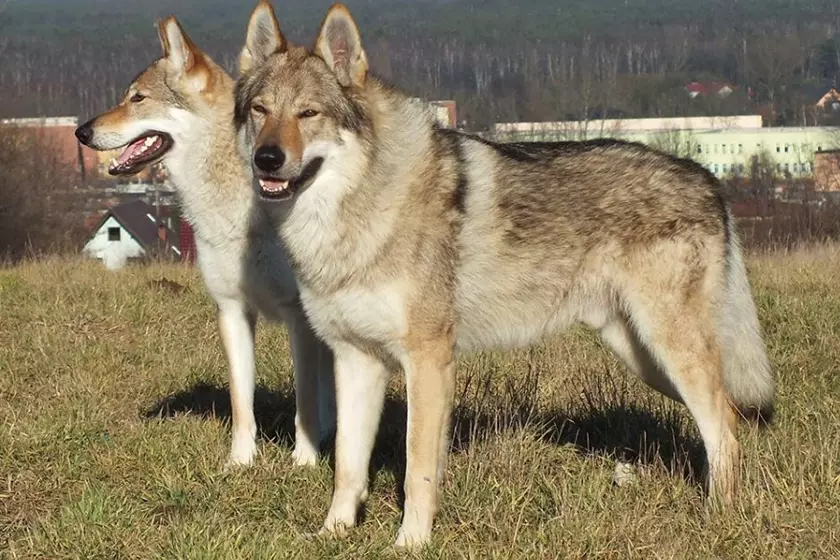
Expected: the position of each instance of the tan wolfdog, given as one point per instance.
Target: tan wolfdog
(411, 242)
(179, 111)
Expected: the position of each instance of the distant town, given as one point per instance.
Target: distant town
(132, 218)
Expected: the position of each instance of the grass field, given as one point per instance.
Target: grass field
(114, 425)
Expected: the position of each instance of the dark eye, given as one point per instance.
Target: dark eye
(307, 114)
(137, 98)
(257, 108)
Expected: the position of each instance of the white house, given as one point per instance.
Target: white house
(129, 231)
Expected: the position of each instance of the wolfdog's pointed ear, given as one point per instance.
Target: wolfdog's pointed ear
(340, 46)
(164, 42)
(178, 47)
(262, 39)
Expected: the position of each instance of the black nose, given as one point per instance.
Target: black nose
(84, 133)
(269, 158)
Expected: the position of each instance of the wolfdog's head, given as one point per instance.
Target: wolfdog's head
(298, 110)
(159, 105)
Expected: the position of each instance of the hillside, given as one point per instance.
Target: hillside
(114, 426)
(533, 59)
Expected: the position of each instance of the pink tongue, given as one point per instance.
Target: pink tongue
(130, 150)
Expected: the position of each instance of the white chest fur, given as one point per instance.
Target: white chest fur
(375, 315)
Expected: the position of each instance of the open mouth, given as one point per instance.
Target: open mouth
(141, 152)
(274, 188)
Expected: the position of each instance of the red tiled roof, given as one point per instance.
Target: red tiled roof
(706, 88)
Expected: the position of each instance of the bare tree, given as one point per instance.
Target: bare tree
(677, 142)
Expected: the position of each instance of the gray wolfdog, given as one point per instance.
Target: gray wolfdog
(179, 111)
(411, 242)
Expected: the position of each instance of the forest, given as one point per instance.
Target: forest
(500, 60)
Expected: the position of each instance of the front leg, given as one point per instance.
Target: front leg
(430, 380)
(360, 381)
(236, 327)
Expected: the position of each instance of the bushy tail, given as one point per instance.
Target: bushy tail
(747, 375)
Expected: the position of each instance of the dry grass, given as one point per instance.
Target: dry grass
(114, 428)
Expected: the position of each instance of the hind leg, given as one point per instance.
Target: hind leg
(625, 343)
(681, 336)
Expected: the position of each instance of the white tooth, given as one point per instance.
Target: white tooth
(114, 162)
(150, 140)
(262, 183)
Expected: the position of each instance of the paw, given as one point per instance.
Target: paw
(408, 539)
(240, 458)
(334, 528)
(342, 515)
(242, 454)
(305, 456)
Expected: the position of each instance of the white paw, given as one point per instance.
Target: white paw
(334, 528)
(409, 539)
(305, 456)
(342, 515)
(242, 454)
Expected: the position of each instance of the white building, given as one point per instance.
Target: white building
(129, 231)
(726, 146)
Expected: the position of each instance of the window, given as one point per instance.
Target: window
(725, 167)
(699, 149)
(778, 149)
(796, 168)
(740, 168)
(779, 167)
(716, 169)
(740, 148)
(113, 234)
(806, 166)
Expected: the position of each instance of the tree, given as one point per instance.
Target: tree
(679, 143)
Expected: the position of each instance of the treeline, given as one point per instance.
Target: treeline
(532, 60)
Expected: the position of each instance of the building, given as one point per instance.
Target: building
(830, 101)
(614, 127)
(705, 89)
(726, 146)
(130, 231)
(827, 171)
(57, 136)
(445, 113)
(791, 150)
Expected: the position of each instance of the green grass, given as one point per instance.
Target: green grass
(114, 426)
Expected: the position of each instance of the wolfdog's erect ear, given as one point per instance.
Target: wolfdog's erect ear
(262, 39)
(177, 46)
(164, 42)
(340, 46)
